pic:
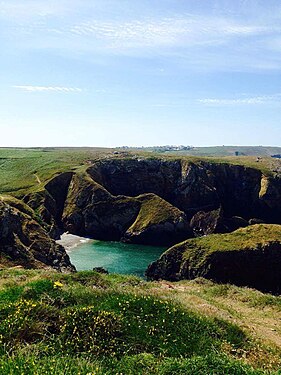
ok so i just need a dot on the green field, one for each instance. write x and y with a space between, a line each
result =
22 170
25 170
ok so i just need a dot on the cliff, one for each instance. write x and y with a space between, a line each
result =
247 257
108 199
25 242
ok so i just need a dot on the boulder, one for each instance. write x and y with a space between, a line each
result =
101 270
203 223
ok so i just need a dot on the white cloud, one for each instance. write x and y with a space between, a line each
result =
178 30
48 88
266 99
93 29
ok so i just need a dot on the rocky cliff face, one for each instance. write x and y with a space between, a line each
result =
23 241
90 210
247 257
193 187
109 200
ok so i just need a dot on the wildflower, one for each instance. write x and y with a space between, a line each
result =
58 284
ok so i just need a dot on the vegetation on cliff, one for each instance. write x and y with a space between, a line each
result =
25 242
157 222
91 323
137 198
248 256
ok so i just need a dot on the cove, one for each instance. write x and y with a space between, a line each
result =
116 257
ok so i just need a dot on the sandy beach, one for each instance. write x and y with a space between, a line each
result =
70 241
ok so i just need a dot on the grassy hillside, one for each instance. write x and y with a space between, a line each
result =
22 170
25 170
251 237
214 150
87 323
229 151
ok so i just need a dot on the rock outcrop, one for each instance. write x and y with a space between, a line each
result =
247 257
90 210
24 242
204 223
194 186
157 223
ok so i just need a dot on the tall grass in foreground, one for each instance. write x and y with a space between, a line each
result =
84 324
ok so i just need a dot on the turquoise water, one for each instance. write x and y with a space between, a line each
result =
116 257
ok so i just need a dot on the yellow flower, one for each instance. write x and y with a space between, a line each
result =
58 284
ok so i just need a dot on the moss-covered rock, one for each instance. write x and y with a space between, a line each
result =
83 192
249 256
157 223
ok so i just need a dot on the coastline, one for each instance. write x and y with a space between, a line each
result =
70 241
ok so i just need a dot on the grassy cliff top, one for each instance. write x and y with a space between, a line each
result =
26 170
88 323
250 238
244 238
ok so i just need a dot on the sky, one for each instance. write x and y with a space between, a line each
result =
140 72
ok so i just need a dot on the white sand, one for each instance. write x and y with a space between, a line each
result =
70 241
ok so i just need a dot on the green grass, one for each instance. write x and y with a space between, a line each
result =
87 323
27 170
153 211
230 151
249 238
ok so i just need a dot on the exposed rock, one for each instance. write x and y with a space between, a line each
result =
249 256
190 186
132 177
101 270
90 210
109 220
237 187
83 193
24 242
270 199
255 220
102 202
235 222
157 223
49 202
204 223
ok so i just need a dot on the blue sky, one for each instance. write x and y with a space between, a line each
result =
140 72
